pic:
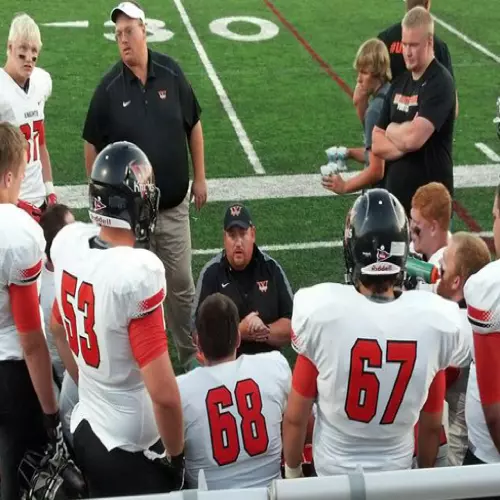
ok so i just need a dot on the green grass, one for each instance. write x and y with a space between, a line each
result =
290 108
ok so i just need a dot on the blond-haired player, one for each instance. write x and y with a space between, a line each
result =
24 90
374 76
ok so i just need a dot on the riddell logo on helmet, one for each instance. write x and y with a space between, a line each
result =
382 267
100 220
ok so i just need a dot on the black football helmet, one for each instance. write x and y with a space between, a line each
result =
122 190
43 479
376 237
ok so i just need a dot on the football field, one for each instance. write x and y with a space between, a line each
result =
274 79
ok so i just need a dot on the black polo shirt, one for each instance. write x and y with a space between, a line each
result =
392 39
432 96
157 117
262 286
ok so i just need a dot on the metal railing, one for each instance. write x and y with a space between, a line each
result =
444 483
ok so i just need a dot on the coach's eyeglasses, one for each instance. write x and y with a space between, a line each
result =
126 33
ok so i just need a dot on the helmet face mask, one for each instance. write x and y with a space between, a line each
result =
376 238
44 479
122 190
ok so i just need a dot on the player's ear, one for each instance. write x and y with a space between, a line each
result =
238 340
7 178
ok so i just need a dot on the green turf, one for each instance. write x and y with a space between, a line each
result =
291 109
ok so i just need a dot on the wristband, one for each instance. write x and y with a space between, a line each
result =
49 188
293 473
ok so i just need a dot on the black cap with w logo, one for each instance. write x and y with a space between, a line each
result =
237 215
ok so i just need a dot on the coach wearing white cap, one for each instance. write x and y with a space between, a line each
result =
146 99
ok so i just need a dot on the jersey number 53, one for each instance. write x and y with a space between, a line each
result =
82 302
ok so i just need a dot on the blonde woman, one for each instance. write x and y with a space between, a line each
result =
374 75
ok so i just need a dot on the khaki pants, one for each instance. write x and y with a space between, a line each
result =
172 243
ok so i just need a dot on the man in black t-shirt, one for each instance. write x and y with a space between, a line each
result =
414 133
146 99
392 39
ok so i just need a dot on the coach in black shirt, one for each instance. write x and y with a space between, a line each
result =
146 99
414 133
254 281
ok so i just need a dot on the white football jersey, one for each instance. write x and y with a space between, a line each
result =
22 247
99 291
232 420
376 361
47 296
482 292
26 111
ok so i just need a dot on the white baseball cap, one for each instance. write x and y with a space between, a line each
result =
129 9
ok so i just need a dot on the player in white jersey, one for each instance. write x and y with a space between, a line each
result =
465 255
27 398
24 90
233 408
482 407
371 357
114 343
52 221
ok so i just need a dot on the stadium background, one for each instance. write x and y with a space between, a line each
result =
271 107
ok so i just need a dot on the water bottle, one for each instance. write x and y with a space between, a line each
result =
416 268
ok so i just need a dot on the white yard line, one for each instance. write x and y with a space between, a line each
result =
288 186
466 39
68 24
488 152
311 245
221 92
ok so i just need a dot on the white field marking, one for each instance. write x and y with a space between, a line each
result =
267 29
221 92
311 245
68 24
467 40
288 186
488 152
